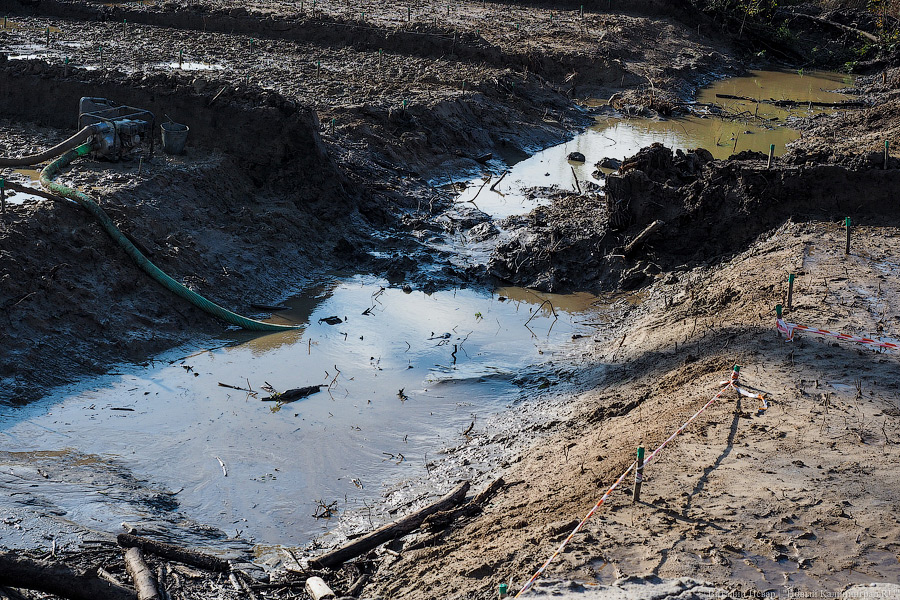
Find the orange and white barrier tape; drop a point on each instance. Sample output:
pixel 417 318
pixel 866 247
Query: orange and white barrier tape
pixel 789 329
pixel 731 384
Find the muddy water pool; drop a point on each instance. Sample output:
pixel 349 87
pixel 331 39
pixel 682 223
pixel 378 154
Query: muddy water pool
pixel 404 374
pixel 616 137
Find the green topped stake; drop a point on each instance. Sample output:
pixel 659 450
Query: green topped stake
pixel 638 475
pixel 847 225
pixel 790 289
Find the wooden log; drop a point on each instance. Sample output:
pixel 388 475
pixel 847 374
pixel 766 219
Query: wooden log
pixel 182 555
pixel 18 571
pixel 141 575
pixel 318 589
pixel 642 236
pixel 444 518
pixel 869 36
pixel 389 531
pixel 488 492
pixel 792 103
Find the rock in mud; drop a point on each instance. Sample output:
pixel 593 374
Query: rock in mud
pixel 608 163
pixel 576 157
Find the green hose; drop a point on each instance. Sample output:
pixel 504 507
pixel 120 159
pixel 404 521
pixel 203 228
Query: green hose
pixel 51 170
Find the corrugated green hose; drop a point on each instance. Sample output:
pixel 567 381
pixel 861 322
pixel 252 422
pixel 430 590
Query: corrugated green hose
pixel 51 170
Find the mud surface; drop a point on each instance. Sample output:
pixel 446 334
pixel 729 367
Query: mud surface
pixel 320 137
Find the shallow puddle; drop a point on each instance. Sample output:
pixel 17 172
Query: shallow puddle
pixel 403 374
pixel 618 138
pixel 192 66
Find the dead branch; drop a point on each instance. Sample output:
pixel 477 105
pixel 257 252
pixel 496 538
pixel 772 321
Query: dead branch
pixel 642 236
pixel 389 531
pixel 57 578
pixel 182 555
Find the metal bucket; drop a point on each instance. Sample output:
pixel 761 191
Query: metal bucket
pixel 174 137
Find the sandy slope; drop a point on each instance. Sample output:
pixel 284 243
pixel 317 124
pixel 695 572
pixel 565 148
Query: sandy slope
pixel 798 496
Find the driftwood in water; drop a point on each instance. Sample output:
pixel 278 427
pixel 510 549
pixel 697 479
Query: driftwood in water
pixel 182 555
pixel 141 575
pixel 390 531
pixel 792 103
pixel 504 174
pixel 443 519
pixel 294 394
pixel 18 571
pixel 642 236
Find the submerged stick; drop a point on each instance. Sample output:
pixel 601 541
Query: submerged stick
pixel 493 187
pixel 487 181
pixel 534 314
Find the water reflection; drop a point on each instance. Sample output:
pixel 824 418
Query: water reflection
pixel 403 374
pixel 759 126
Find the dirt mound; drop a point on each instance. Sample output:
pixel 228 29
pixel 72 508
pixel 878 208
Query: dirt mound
pixel 666 210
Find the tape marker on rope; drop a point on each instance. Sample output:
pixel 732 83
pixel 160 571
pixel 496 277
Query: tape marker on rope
pixel 789 329
pixel 732 383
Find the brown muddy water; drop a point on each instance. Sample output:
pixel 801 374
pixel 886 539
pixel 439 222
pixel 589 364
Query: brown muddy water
pixel 617 137
pixel 404 374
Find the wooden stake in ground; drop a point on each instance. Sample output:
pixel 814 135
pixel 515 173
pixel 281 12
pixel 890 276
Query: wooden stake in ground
pixel 141 575
pixel 771 156
pixel 790 289
pixel 847 225
pixel 388 532
pixel 638 475
pixel 577 185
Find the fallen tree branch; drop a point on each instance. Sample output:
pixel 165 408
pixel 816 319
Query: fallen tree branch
pixel 642 236
pixel 792 103
pixel 57 578
pixel 847 28
pixel 443 519
pixel 389 531
pixel 182 555
pixel 141 575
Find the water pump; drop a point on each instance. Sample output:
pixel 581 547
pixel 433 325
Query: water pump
pixel 119 129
